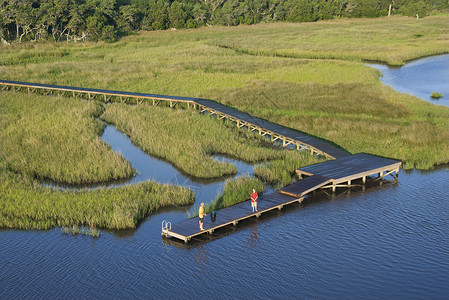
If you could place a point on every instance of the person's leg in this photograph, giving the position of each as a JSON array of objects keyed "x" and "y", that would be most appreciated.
[{"x": 255, "y": 205}]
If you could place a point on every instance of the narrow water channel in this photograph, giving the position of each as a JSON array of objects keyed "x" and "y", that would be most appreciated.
[
  {"x": 150, "y": 168},
  {"x": 390, "y": 241}
]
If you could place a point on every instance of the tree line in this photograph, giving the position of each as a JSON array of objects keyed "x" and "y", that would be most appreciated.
[{"x": 106, "y": 20}]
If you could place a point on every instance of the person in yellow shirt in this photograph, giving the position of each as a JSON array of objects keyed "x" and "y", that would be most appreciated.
[{"x": 201, "y": 214}]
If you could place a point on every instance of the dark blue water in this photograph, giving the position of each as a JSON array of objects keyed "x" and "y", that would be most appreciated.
[{"x": 388, "y": 241}]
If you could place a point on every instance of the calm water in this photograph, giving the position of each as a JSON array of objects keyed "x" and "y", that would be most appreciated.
[
  {"x": 420, "y": 78},
  {"x": 389, "y": 241}
]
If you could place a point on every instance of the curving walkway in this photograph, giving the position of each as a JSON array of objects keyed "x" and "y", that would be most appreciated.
[{"x": 287, "y": 136}]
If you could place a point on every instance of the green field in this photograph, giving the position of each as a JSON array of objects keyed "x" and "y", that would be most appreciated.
[{"x": 307, "y": 76}]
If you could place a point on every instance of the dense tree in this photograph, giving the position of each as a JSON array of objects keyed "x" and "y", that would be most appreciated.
[
  {"x": 24, "y": 20},
  {"x": 176, "y": 15}
]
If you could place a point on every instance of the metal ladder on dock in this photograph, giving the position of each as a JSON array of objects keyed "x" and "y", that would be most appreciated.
[{"x": 166, "y": 227}]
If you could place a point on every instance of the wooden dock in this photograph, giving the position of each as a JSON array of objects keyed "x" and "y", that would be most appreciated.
[
  {"x": 288, "y": 137},
  {"x": 331, "y": 174},
  {"x": 342, "y": 172},
  {"x": 189, "y": 228}
]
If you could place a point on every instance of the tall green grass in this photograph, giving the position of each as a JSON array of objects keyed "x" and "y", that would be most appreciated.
[
  {"x": 57, "y": 139},
  {"x": 25, "y": 204},
  {"x": 391, "y": 40}
]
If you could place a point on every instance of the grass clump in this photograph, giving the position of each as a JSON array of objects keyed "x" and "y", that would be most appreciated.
[
  {"x": 436, "y": 95},
  {"x": 24, "y": 204},
  {"x": 235, "y": 191},
  {"x": 75, "y": 230},
  {"x": 282, "y": 171},
  {"x": 188, "y": 139},
  {"x": 58, "y": 139}
]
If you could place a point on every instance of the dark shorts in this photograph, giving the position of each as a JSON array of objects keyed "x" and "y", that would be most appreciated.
[{"x": 202, "y": 219}]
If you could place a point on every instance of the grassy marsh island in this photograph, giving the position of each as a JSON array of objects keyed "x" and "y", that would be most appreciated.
[
  {"x": 306, "y": 76},
  {"x": 58, "y": 139},
  {"x": 436, "y": 95},
  {"x": 27, "y": 205}
]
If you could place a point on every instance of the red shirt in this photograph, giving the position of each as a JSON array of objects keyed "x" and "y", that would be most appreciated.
[{"x": 254, "y": 197}]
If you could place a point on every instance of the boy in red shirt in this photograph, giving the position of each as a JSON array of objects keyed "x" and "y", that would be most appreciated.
[{"x": 254, "y": 197}]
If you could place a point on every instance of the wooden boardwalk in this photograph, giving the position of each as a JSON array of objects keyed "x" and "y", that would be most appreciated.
[
  {"x": 331, "y": 174},
  {"x": 287, "y": 136}
]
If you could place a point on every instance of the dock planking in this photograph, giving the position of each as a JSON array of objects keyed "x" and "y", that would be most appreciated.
[
  {"x": 323, "y": 175},
  {"x": 189, "y": 228},
  {"x": 343, "y": 171},
  {"x": 348, "y": 168},
  {"x": 305, "y": 186}
]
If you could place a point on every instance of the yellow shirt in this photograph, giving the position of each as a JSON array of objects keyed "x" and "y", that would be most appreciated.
[{"x": 201, "y": 212}]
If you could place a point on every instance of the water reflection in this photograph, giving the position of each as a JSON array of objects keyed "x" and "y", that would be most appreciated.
[
  {"x": 253, "y": 239},
  {"x": 200, "y": 258}
]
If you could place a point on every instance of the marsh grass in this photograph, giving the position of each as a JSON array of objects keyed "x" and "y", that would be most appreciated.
[
  {"x": 27, "y": 205},
  {"x": 359, "y": 118},
  {"x": 57, "y": 139},
  {"x": 436, "y": 95},
  {"x": 394, "y": 40}
]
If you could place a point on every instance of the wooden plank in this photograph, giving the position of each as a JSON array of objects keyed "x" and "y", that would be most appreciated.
[
  {"x": 305, "y": 186},
  {"x": 348, "y": 167}
]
